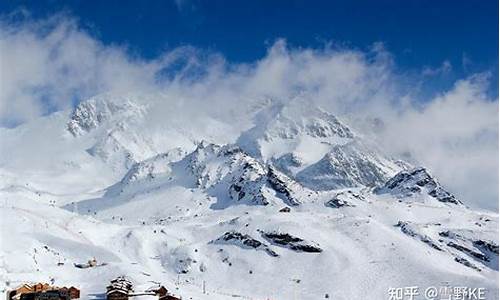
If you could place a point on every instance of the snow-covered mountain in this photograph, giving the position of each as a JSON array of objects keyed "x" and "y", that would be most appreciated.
[
  {"x": 297, "y": 128},
  {"x": 295, "y": 205},
  {"x": 97, "y": 111},
  {"x": 316, "y": 148},
  {"x": 348, "y": 165}
]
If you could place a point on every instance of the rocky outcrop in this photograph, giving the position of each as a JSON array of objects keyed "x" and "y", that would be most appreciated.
[
  {"x": 486, "y": 246},
  {"x": 246, "y": 179},
  {"x": 244, "y": 241},
  {"x": 337, "y": 203},
  {"x": 291, "y": 242},
  {"x": 415, "y": 182},
  {"x": 344, "y": 198},
  {"x": 283, "y": 185},
  {"x": 463, "y": 246}
]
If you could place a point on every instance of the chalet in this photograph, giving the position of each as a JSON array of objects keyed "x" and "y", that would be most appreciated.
[
  {"x": 158, "y": 290},
  {"x": 91, "y": 263},
  {"x": 120, "y": 288},
  {"x": 161, "y": 292}
]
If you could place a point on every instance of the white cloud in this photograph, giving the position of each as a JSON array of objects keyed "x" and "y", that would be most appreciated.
[
  {"x": 456, "y": 135},
  {"x": 46, "y": 64},
  {"x": 445, "y": 68}
]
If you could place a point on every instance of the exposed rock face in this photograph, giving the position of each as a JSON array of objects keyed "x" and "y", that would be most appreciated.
[
  {"x": 291, "y": 242},
  {"x": 227, "y": 166},
  {"x": 244, "y": 241},
  {"x": 487, "y": 246},
  {"x": 467, "y": 263},
  {"x": 283, "y": 185},
  {"x": 337, "y": 203},
  {"x": 468, "y": 251},
  {"x": 246, "y": 179},
  {"x": 414, "y": 182},
  {"x": 248, "y": 186}
]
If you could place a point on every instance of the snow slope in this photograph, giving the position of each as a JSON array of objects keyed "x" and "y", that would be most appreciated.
[{"x": 296, "y": 206}]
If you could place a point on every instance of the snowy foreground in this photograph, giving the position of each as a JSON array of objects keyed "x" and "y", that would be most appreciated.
[{"x": 298, "y": 206}]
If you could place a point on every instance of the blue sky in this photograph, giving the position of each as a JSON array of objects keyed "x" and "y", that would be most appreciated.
[{"x": 419, "y": 33}]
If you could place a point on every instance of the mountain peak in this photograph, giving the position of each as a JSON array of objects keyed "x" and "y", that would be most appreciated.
[
  {"x": 295, "y": 125},
  {"x": 91, "y": 113},
  {"x": 299, "y": 117},
  {"x": 348, "y": 165}
]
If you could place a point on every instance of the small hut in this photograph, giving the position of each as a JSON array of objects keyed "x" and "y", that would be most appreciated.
[
  {"x": 158, "y": 290},
  {"x": 92, "y": 262},
  {"x": 285, "y": 209}
]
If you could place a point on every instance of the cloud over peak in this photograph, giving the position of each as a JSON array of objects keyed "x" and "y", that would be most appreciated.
[{"x": 49, "y": 65}]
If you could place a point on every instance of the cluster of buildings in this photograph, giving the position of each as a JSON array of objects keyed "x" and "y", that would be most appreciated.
[
  {"x": 119, "y": 288},
  {"x": 43, "y": 291}
]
